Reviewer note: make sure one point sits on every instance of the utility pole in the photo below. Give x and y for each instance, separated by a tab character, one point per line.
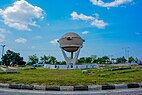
3	46
127	51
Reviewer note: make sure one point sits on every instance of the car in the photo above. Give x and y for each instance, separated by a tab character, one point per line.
38	64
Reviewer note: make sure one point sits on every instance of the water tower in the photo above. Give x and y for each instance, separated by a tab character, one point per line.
72	43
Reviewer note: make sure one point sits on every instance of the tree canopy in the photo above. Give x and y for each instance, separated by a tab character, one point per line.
121	60
48	59
12	58
33	59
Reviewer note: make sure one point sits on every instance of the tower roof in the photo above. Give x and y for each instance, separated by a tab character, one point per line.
71	34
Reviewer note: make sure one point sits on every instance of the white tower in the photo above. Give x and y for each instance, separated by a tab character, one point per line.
72	43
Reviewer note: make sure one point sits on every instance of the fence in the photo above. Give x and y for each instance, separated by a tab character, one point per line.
71	66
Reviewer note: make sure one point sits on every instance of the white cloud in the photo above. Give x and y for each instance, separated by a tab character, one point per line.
94	21
76	16
85	32
3	33
114	3
21	15
54	41
21	40
99	23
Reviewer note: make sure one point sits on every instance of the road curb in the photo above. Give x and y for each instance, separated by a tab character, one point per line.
108	87
140	84
71	88
37	87
80	88
27	87
95	87
121	86
52	88
66	88
133	85
14	86
4	85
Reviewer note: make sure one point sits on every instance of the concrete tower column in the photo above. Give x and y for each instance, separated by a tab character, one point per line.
72	59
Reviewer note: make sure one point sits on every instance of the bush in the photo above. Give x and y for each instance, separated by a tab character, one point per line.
30	63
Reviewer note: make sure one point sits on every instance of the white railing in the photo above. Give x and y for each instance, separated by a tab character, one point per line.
71	66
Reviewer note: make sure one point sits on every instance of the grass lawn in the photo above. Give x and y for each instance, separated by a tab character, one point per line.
1	70
41	76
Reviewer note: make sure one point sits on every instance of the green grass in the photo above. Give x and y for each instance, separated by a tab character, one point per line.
41	76
1	70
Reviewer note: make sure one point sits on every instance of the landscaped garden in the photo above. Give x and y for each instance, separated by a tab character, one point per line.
42	76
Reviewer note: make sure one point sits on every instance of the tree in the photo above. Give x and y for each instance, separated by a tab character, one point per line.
105	57
121	60
63	63
137	60
12	58
131	59
33	60
45	59
48	59
88	60
94	58
103	60
81	60
53	60
100	60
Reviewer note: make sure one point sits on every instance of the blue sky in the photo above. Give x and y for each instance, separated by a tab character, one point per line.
109	27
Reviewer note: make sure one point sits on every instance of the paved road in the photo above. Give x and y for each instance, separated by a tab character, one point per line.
137	91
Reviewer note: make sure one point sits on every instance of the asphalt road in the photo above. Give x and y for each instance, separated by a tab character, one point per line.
137	91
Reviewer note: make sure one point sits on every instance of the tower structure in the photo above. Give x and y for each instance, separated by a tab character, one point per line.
72	43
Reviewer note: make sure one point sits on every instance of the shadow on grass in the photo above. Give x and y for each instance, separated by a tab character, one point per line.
9	72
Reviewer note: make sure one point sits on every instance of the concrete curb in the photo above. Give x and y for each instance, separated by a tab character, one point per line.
66	88
95	87
71	88
53	88
37	87
80	88
108	87
121	86
4	85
